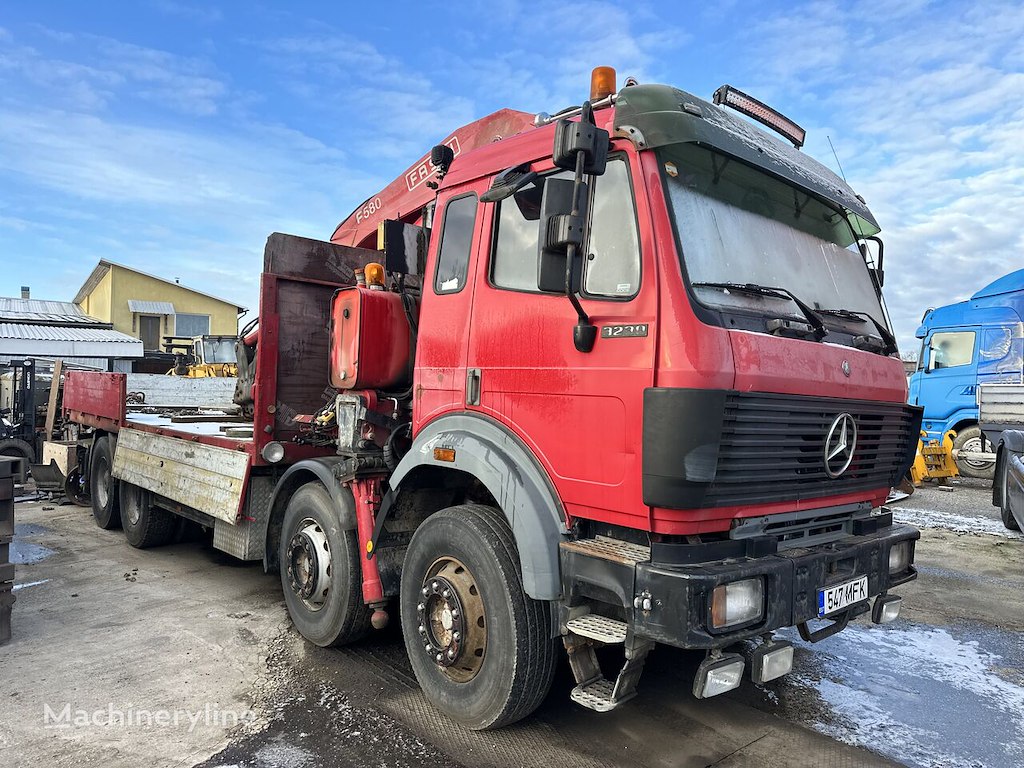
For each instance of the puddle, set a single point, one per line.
(931, 518)
(25, 552)
(928, 697)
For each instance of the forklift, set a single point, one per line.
(19, 395)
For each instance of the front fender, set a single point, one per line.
(497, 458)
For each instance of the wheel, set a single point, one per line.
(969, 439)
(1003, 484)
(320, 570)
(18, 449)
(481, 648)
(106, 508)
(145, 525)
(74, 488)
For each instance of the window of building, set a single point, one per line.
(951, 349)
(191, 325)
(456, 242)
(612, 267)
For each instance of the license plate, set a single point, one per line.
(832, 599)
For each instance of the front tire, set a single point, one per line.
(320, 570)
(1004, 494)
(106, 509)
(970, 439)
(145, 525)
(481, 648)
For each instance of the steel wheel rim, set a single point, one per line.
(103, 486)
(134, 506)
(451, 621)
(974, 444)
(309, 564)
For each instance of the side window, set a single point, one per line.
(612, 268)
(951, 349)
(456, 242)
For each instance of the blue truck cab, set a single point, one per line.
(976, 341)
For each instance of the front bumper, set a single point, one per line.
(679, 595)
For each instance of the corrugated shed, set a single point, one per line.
(62, 333)
(151, 307)
(42, 311)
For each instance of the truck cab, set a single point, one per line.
(964, 345)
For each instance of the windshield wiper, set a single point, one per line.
(816, 329)
(888, 345)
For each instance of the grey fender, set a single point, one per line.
(324, 470)
(1013, 440)
(493, 455)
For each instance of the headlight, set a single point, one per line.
(718, 674)
(273, 452)
(899, 557)
(738, 602)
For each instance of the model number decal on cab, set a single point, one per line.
(369, 208)
(623, 331)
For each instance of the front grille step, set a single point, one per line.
(607, 548)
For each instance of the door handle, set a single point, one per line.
(473, 386)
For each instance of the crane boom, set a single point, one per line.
(404, 198)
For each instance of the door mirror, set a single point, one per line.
(559, 229)
(508, 182)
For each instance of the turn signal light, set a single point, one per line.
(444, 454)
(602, 82)
(374, 274)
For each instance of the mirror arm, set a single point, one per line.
(584, 334)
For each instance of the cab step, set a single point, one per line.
(593, 690)
(598, 695)
(599, 628)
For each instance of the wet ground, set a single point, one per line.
(943, 686)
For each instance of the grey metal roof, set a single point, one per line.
(24, 339)
(41, 311)
(151, 307)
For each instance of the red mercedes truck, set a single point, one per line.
(621, 375)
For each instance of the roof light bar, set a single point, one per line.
(751, 107)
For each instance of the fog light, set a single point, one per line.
(273, 452)
(739, 602)
(899, 557)
(718, 674)
(886, 609)
(770, 661)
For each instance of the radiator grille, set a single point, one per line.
(772, 448)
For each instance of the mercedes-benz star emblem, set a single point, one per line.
(840, 443)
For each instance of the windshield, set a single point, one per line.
(738, 225)
(221, 350)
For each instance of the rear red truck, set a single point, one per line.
(618, 376)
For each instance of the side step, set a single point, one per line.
(599, 628)
(593, 690)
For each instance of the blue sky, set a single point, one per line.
(174, 136)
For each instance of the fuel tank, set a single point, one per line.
(370, 340)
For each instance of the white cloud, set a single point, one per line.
(924, 102)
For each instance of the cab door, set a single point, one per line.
(447, 297)
(950, 376)
(580, 413)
